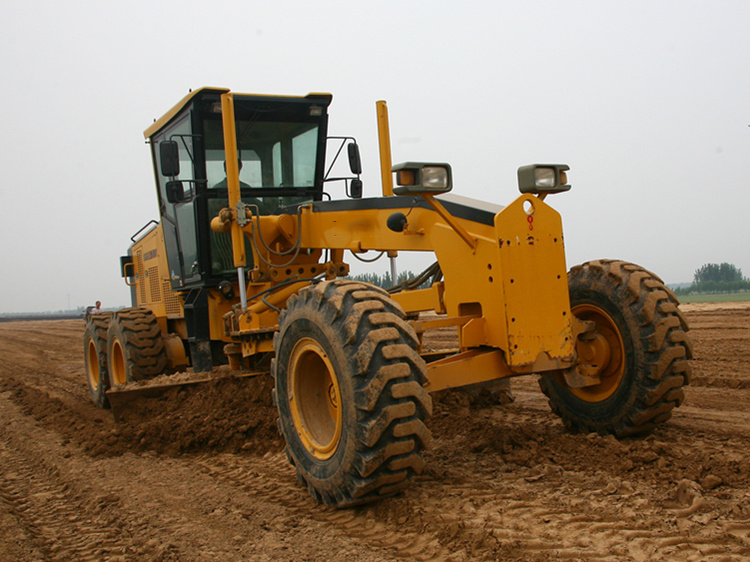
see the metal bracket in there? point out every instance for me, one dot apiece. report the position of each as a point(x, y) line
point(241, 210)
point(575, 379)
point(582, 376)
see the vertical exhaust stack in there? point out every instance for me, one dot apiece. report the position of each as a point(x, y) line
point(384, 138)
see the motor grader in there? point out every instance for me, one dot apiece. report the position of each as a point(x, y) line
point(247, 267)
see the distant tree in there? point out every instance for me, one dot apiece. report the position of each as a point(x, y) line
point(717, 278)
point(384, 280)
point(721, 273)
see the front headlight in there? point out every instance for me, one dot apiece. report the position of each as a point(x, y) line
point(413, 178)
point(543, 178)
point(434, 177)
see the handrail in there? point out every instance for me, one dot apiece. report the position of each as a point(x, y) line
point(144, 227)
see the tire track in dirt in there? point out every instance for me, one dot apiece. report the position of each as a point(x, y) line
point(714, 421)
point(508, 516)
point(546, 493)
point(71, 507)
point(515, 518)
point(269, 477)
point(41, 352)
point(65, 518)
point(598, 516)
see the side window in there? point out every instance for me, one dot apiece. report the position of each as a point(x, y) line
point(294, 160)
point(305, 147)
point(179, 132)
point(180, 235)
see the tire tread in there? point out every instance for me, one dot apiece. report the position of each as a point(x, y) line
point(662, 368)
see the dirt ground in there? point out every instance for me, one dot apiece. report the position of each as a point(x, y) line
point(204, 477)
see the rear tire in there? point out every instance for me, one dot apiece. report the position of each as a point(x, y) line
point(348, 387)
point(640, 349)
point(95, 357)
point(135, 347)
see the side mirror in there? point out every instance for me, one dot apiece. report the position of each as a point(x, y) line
point(355, 162)
point(355, 189)
point(169, 155)
point(175, 191)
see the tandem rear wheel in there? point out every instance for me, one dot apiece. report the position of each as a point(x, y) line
point(95, 357)
point(135, 347)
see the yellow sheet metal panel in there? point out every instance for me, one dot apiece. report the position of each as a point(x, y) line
point(514, 277)
point(169, 115)
point(154, 291)
point(472, 277)
point(473, 282)
point(535, 285)
point(364, 230)
point(153, 288)
point(218, 306)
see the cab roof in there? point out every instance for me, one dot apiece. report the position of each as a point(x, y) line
point(160, 123)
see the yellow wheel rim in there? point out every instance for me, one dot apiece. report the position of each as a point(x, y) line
point(602, 355)
point(315, 399)
point(117, 364)
point(92, 364)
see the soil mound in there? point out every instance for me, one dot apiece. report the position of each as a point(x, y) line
point(226, 414)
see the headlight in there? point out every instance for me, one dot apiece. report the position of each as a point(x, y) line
point(543, 178)
point(418, 177)
point(434, 177)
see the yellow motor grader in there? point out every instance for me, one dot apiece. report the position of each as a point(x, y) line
point(246, 267)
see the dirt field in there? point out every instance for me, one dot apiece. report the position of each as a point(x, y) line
point(205, 478)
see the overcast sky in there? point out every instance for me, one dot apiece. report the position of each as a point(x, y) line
point(647, 102)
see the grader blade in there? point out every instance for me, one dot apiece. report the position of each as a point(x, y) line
point(133, 396)
point(120, 400)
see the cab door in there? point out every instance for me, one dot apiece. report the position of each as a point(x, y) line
point(179, 218)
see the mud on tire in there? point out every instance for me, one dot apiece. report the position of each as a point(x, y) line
point(135, 347)
point(349, 390)
point(644, 382)
point(95, 357)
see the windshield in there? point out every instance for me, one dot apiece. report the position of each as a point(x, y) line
point(272, 154)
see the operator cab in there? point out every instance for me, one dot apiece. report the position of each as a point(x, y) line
point(281, 145)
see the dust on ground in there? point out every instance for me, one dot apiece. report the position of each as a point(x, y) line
point(203, 476)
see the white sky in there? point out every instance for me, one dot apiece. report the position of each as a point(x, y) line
point(647, 101)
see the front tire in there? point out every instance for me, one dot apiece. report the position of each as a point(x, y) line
point(348, 387)
point(135, 347)
point(639, 349)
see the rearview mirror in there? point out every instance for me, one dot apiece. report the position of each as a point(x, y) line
point(175, 191)
point(169, 156)
point(355, 162)
point(355, 189)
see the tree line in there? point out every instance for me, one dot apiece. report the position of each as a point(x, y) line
point(716, 278)
point(709, 278)
point(384, 281)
